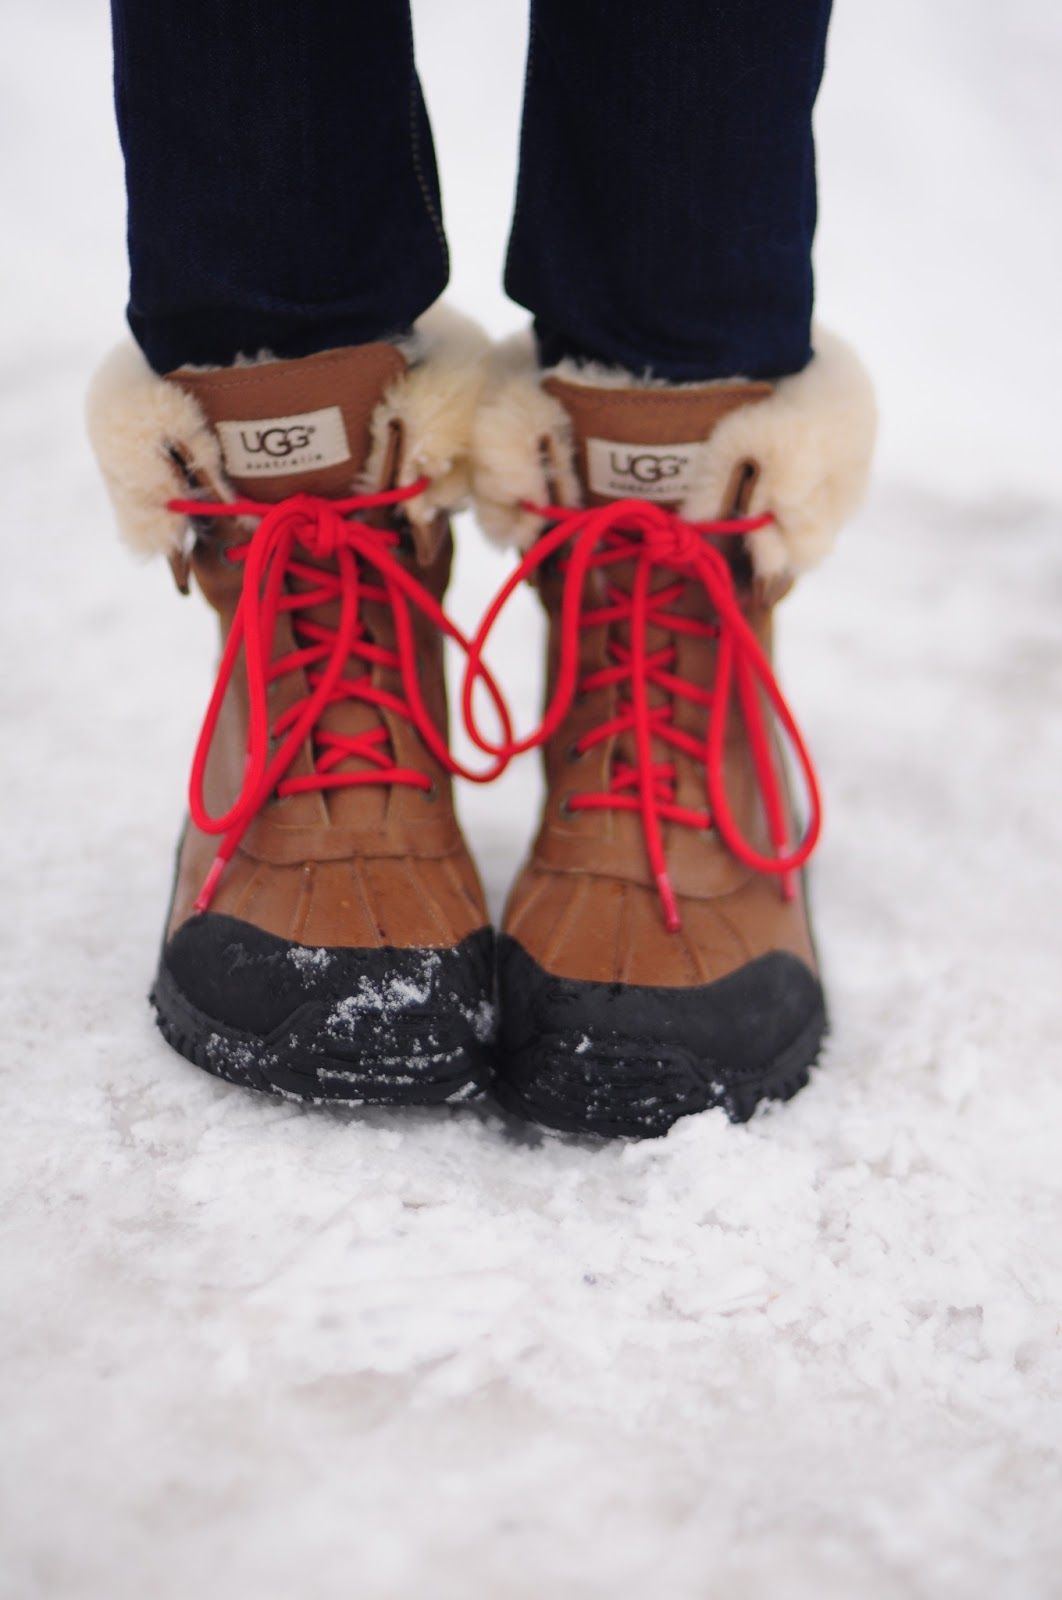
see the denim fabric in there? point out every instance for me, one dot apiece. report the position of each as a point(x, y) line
point(283, 191)
point(280, 174)
point(667, 202)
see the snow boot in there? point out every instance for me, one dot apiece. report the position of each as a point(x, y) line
point(327, 937)
point(656, 957)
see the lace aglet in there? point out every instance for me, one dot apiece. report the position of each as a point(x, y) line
point(210, 883)
point(788, 887)
point(672, 920)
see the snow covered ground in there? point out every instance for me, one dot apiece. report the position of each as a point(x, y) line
point(252, 1353)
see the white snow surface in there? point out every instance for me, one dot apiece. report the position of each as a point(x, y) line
point(251, 1351)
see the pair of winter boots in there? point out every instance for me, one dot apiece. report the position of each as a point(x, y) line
point(328, 937)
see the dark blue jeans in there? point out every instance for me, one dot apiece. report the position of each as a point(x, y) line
point(283, 191)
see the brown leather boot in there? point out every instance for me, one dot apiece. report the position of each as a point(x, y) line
point(656, 956)
point(327, 937)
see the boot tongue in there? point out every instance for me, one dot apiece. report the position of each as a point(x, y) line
point(304, 427)
point(295, 427)
point(645, 443)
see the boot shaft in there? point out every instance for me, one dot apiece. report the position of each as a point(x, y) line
point(285, 443)
point(646, 444)
point(674, 519)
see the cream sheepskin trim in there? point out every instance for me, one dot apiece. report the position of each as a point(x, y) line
point(812, 440)
point(133, 415)
point(516, 416)
point(135, 418)
point(435, 404)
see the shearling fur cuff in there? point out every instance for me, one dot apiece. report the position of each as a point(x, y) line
point(811, 439)
point(138, 420)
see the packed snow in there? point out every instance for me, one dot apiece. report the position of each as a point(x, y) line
point(252, 1351)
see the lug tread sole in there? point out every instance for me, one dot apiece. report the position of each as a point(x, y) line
point(301, 1064)
point(632, 1089)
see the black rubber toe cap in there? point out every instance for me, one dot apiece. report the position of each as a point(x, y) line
point(615, 1058)
point(382, 1025)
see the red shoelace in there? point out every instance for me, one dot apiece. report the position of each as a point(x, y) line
point(366, 569)
point(657, 541)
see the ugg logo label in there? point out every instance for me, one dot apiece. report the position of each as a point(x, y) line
point(276, 441)
point(273, 445)
point(662, 472)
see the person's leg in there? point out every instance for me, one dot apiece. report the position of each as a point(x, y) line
point(670, 457)
point(666, 203)
point(281, 179)
point(327, 936)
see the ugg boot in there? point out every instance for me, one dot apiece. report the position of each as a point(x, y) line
point(656, 956)
point(327, 937)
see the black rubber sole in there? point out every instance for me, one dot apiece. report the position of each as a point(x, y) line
point(620, 1090)
point(621, 1061)
point(331, 1049)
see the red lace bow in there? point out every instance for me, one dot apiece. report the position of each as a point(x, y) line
point(325, 530)
point(654, 540)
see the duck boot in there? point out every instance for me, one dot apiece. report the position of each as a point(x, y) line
point(327, 938)
point(656, 957)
